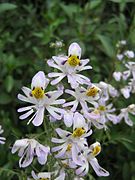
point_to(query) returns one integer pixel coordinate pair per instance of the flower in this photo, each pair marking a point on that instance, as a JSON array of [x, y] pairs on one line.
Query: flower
[[70, 66], [120, 56], [89, 157], [72, 142], [131, 68], [126, 91], [125, 114], [106, 112], [117, 76], [101, 114], [129, 54], [82, 96], [28, 148], [107, 90], [2, 139], [40, 100], [68, 117], [41, 175]]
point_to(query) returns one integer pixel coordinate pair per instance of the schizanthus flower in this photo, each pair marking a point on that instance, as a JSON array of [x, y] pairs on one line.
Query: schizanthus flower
[[89, 157], [72, 142], [70, 66], [40, 100], [125, 114], [2, 139], [83, 96], [27, 149]]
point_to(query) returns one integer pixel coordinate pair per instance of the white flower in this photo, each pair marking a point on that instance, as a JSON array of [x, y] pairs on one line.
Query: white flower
[[61, 175], [93, 118], [123, 42], [106, 112], [125, 114], [70, 66], [2, 139], [40, 100], [117, 76], [107, 90], [82, 96], [131, 67], [120, 56], [27, 149], [132, 85], [126, 91], [41, 175], [126, 74], [78, 178], [68, 118], [72, 142], [89, 157], [129, 54]]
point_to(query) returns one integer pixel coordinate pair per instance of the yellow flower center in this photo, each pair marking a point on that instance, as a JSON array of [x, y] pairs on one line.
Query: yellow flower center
[[73, 61], [69, 147], [96, 150], [101, 108], [44, 179], [65, 165], [92, 91], [78, 132], [96, 111], [38, 93]]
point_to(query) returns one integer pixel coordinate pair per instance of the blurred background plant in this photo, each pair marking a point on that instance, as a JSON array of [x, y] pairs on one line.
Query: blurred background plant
[[34, 30]]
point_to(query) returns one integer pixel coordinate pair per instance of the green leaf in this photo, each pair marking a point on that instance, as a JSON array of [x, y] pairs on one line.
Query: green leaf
[[122, 1], [107, 45], [5, 98], [129, 146], [126, 169], [9, 83], [95, 3], [70, 9], [7, 6]]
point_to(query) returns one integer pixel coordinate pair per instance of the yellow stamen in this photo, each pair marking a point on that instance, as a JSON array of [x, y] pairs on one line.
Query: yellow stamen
[[101, 108], [92, 91], [78, 132], [44, 179], [38, 93], [96, 150], [65, 165], [73, 61], [69, 147], [96, 111]]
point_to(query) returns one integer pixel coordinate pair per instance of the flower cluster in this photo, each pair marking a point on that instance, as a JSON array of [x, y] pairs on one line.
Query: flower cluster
[[89, 106], [127, 76]]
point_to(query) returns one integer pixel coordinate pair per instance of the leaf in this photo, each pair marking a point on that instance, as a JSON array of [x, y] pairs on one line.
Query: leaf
[[122, 1], [107, 45], [129, 146], [9, 83], [126, 169], [7, 6], [95, 3], [70, 9], [5, 98]]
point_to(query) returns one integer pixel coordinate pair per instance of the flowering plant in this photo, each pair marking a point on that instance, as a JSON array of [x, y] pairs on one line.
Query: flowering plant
[[71, 113]]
